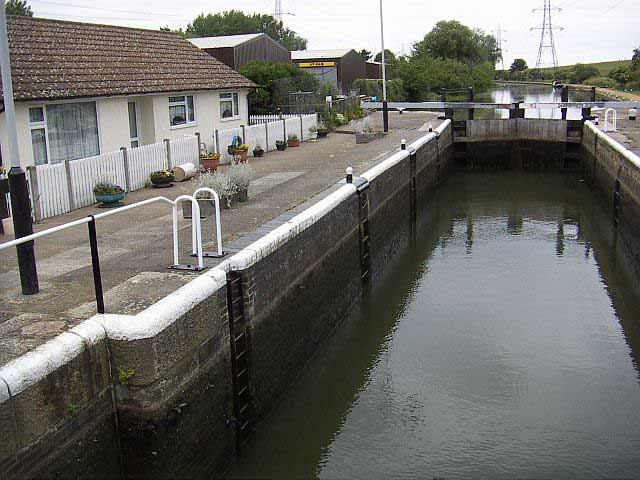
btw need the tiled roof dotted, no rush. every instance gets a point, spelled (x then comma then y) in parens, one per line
(224, 41)
(55, 59)
(314, 54)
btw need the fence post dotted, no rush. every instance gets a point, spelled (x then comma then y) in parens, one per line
(35, 192)
(167, 145)
(199, 149)
(266, 136)
(125, 162)
(301, 130)
(244, 134)
(216, 138)
(67, 172)
(284, 129)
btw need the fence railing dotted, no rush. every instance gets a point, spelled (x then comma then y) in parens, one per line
(63, 187)
(265, 134)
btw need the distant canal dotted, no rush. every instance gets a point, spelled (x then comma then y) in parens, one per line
(510, 93)
(504, 344)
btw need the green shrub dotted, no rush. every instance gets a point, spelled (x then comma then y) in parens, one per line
(602, 82)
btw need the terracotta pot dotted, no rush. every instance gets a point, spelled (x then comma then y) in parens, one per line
(293, 143)
(240, 155)
(210, 163)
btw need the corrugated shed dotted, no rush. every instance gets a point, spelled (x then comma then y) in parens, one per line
(318, 54)
(55, 59)
(223, 41)
(245, 48)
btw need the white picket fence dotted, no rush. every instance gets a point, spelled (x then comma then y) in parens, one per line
(258, 119)
(266, 133)
(63, 187)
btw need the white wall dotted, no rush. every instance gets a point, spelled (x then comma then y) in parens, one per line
(113, 122)
(207, 113)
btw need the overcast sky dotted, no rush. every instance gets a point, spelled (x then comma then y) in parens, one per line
(594, 30)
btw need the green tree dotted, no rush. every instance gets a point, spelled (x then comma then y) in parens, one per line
(270, 76)
(18, 7)
(235, 22)
(579, 73)
(518, 65)
(620, 75)
(454, 41)
(391, 62)
(635, 60)
(365, 54)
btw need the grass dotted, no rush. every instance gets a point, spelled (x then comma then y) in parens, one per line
(603, 67)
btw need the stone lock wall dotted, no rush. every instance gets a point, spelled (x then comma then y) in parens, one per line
(151, 395)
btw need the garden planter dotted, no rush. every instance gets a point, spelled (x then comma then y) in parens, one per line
(281, 146)
(208, 206)
(322, 133)
(109, 199)
(258, 152)
(162, 182)
(210, 162)
(240, 156)
(293, 143)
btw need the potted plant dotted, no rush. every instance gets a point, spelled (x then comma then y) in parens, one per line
(320, 130)
(292, 140)
(108, 193)
(162, 178)
(258, 151)
(281, 145)
(240, 153)
(210, 161)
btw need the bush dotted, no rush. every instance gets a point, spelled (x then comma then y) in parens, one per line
(602, 82)
(240, 174)
(373, 88)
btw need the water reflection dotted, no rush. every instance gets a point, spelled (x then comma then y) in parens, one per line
(503, 345)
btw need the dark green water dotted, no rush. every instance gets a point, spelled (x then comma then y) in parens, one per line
(504, 344)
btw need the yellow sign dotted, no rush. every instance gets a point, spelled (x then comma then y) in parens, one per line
(317, 64)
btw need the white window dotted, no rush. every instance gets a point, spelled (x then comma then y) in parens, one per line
(229, 108)
(181, 110)
(133, 124)
(65, 131)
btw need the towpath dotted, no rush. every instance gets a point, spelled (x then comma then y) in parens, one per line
(135, 247)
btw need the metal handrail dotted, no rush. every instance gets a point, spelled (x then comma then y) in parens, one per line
(216, 200)
(93, 240)
(506, 106)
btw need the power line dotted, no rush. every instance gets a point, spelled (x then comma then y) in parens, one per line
(612, 7)
(102, 9)
(64, 15)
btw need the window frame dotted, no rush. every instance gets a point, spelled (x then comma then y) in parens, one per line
(137, 119)
(233, 95)
(184, 103)
(39, 126)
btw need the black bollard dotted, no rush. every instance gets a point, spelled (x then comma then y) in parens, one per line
(385, 116)
(23, 226)
(564, 97)
(470, 99)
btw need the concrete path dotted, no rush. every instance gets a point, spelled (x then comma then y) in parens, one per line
(136, 247)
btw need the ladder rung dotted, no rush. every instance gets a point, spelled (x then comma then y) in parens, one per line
(241, 372)
(244, 425)
(240, 355)
(246, 406)
(243, 390)
(239, 337)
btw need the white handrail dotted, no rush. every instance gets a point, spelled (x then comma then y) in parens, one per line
(196, 230)
(216, 200)
(606, 119)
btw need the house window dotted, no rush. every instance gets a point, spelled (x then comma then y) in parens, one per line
(62, 132)
(133, 125)
(38, 130)
(181, 110)
(229, 105)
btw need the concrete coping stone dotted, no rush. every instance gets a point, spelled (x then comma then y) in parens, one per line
(624, 151)
(4, 391)
(33, 366)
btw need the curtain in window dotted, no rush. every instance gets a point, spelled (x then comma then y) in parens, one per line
(39, 146)
(73, 131)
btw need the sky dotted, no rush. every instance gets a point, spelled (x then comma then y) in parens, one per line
(593, 30)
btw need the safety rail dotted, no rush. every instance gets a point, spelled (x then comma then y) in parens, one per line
(487, 105)
(196, 236)
(614, 125)
(216, 200)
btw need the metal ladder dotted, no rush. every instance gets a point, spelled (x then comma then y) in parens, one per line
(365, 259)
(238, 334)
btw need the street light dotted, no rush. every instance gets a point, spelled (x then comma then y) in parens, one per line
(20, 205)
(385, 107)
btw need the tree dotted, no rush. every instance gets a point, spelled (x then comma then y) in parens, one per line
(579, 73)
(635, 60)
(455, 41)
(275, 81)
(365, 54)
(18, 7)
(518, 65)
(235, 22)
(620, 75)
(391, 62)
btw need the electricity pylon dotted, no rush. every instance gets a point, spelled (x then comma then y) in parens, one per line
(546, 35)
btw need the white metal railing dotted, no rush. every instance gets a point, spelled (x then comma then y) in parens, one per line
(614, 125)
(196, 236)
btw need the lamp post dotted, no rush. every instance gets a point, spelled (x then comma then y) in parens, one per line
(385, 106)
(20, 204)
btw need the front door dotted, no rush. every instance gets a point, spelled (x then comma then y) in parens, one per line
(133, 124)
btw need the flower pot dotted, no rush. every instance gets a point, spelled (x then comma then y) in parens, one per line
(258, 152)
(162, 182)
(211, 162)
(293, 143)
(109, 198)
(281, 146)
(322, 133)
(240, 155)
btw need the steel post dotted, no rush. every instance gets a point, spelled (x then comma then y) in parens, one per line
(95, 264)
